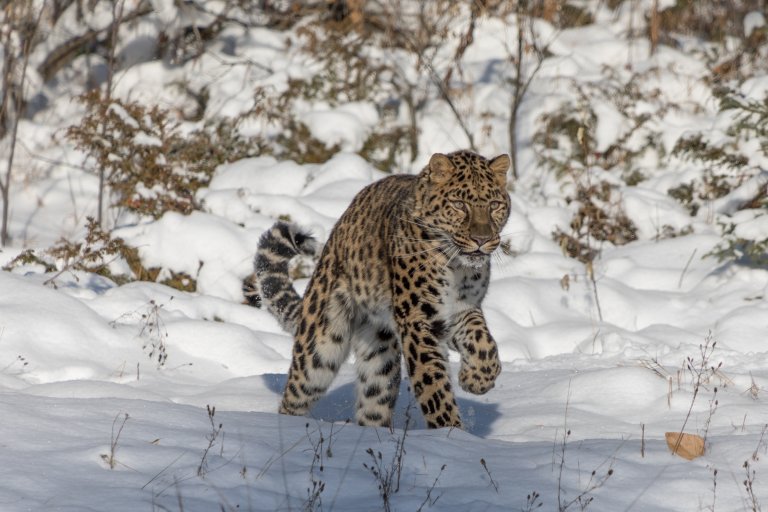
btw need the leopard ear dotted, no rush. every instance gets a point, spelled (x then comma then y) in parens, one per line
(440, 168)
(500, 166)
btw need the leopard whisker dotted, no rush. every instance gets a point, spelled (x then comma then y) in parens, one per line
(450, 251)
(498, 259)
(421, 224)
(416, 253)
(513, 233)
(445, 247)
(456, 252)
(412, 239)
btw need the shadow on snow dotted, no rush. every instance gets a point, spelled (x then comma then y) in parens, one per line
(339, 405)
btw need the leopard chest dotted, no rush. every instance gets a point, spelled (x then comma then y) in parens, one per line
(470, 285)
(442, 292)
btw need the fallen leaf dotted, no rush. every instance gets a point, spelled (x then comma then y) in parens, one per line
(689, 446)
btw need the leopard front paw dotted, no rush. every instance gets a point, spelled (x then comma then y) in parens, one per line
(478, 380)
(292, 409)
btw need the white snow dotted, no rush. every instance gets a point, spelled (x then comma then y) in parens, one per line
(347, 125)
(752, 21)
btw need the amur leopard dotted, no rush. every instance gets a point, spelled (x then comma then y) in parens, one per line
(404, 272)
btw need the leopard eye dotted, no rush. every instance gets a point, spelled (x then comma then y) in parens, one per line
(459, 205)
(495, 205)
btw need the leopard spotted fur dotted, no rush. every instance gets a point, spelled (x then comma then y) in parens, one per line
(403, 273)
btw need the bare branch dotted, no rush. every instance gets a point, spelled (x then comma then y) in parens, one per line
(26, 30)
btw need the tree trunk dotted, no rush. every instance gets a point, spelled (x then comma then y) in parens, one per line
(14, 94)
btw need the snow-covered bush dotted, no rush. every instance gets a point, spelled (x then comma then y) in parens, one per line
(735, 161)
(137, 149)
(570, 145)
(149, 166)
(382, 64)
(93, 254)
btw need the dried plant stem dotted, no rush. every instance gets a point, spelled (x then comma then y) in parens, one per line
(428, 499)
(202, 468)
(760, 442)
(314, 501)
(388, 475)
(701, 373)
(749, 480)
(8, 93)
(110, 458)
(685, 269)
(520, 85)
(584, 498)
(493, 482)
(117, 16)
(566, 434)
(591, 275)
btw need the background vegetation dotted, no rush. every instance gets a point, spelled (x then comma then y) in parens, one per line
(403, 58)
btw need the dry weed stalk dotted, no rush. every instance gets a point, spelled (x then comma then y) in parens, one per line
(428, 500)
(749, 481)
(595, 482)
(714, 489)
(110, 458)
(212, 436)
(19, 27)
(754, 389)
(761, 444)
(524, 14)
(153, 330)
(701, 372)
(314, 501)
(388, 475)
(488, 472)
(532, 502)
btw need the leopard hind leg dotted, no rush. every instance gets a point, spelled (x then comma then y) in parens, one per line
(377, 361)
(321, 346)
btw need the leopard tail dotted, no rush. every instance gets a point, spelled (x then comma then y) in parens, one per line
(273, 284)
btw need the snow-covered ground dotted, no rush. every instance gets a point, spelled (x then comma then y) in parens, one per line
(595, 371)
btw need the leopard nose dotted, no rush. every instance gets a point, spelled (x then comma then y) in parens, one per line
(480, 240)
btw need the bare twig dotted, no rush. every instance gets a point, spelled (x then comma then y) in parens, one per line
(532, 502)
(685, 269)
(594, 483)
(27, 32)
(700, 372)
(157, 475)
(314, 501)
(521, 85)
(760, 443)
(590, 267)
(63, 54)
(428, 499)
(584, 498)
(493, 482)
(202, 468)
(388, 475)
(117, 15)
(713, 403)
(749, 480)
(110, 458)
(566, 434)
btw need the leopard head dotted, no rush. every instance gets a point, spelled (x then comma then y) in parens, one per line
(462, 199)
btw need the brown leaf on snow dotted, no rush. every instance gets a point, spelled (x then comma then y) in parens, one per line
(689, 446)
